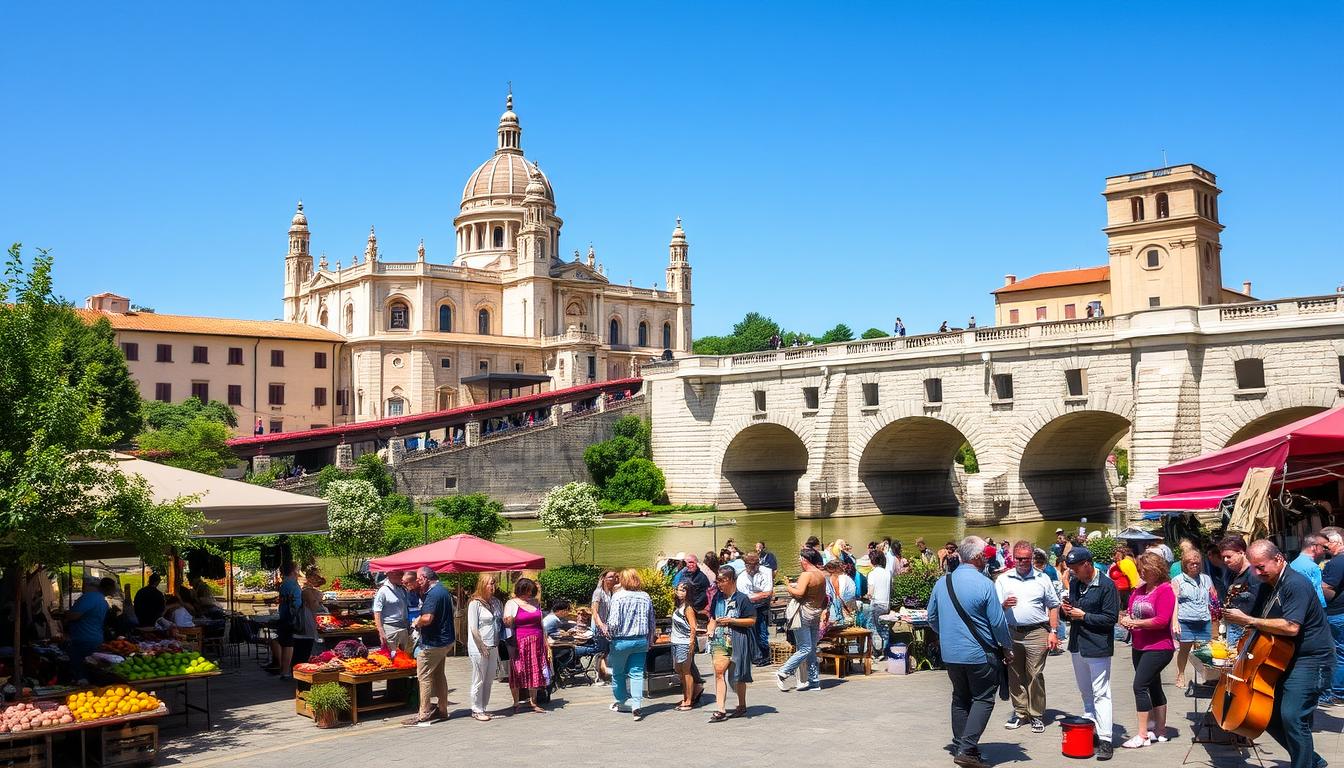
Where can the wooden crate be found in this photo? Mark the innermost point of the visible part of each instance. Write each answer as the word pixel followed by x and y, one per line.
pixel 780 653
pixel 31 755
pixel 129 745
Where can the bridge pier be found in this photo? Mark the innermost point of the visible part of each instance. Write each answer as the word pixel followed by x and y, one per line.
pixel 345 456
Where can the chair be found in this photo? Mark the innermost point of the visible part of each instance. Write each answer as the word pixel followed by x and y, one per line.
pixel 577 671
pixel 191 638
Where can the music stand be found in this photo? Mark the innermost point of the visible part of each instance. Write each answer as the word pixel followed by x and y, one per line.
pixel 1207 731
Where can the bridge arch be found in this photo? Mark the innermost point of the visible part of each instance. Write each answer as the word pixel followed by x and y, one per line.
pixel 1280 407
pixel 904 460
pixel 1062 468
pixel 760 463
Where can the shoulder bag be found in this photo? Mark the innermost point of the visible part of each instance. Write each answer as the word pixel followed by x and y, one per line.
pixel 994 653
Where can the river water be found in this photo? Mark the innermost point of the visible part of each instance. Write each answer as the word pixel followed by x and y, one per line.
pixel 637 542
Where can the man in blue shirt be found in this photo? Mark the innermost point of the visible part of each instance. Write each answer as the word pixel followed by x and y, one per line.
pixel 1313 547
pixel 974 672
pixel 85 624
pixel 436 639
pixel 291 603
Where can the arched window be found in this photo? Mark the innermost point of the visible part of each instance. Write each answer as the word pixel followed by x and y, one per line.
pixel 349 318
pixel 667 335
pixel 614 333
pixel 398 316
pixel 499 237
pixel 322 319
pixel 1163 211
pixel 445 318
pixel 643 334
pixel 483 322
pixel 1136 208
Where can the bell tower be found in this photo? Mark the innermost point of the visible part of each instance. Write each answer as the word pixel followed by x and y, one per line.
pixel 679 284
pixel 298 263
pixel 1162 235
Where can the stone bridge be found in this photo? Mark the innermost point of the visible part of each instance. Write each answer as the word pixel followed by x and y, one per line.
pixel 871 427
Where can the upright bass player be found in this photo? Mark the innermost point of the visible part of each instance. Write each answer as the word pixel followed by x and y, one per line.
pixel 1287 606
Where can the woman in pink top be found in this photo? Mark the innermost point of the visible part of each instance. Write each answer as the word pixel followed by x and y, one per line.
pixel 1151 607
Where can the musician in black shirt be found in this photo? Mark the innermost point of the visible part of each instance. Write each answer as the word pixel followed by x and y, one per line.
pixel 1287 606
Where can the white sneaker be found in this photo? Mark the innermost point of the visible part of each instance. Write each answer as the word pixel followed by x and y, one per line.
pixel 782 682
pixel 806 687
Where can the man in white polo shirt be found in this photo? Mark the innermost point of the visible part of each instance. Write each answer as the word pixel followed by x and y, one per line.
pixel 758 583
pixel 1031 606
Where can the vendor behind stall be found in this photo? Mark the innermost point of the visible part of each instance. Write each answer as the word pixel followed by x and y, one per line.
pixel 84 623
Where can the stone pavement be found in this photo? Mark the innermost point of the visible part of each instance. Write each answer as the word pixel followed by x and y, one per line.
pixel 892 720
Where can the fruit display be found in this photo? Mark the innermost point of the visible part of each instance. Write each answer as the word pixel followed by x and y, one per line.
pixel 27 717
pixel 400 661
pixel 327 622
pixel 147 667
pixel 333 595
pixel 120 647
pixel 349 649
pixel 360 666
pixel 313 667
pixel 112 701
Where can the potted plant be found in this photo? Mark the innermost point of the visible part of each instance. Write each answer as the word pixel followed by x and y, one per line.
pixel 327 701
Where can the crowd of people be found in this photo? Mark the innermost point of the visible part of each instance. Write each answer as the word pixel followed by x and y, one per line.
pixel 999 614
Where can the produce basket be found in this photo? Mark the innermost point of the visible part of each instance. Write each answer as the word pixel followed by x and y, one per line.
pixel 780 653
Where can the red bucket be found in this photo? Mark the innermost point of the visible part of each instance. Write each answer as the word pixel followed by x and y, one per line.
pixel 1079 733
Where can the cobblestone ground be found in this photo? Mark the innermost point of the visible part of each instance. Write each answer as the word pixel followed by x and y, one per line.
pixel 887 719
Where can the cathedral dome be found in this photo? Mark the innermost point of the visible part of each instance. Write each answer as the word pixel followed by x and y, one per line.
pixel 504 175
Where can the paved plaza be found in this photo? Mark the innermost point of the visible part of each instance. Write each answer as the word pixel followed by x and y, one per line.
pixel 888 719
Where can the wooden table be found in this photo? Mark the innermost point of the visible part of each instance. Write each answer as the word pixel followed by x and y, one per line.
pixel 310 679
pixel 81 726
pixel 840 653
pixel 383 702
pixel 184 682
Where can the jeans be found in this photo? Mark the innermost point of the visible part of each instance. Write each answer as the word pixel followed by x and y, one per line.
pixel 881 629
pixel 1094 683
pixel 762 634
pixel 973 689
pixel 1337 629
pixel 806 635
pixel 1234 633
pixel 626 659
pixel 1294 706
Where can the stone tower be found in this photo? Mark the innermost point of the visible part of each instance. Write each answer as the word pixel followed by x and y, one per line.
pixel 298 263
pixel 1162 235
pixel 679 284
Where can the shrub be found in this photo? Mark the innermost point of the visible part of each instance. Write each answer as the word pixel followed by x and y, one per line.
pixel 574 583
pixel 637 429
pixel 603 459
pixel 328 697
pixel 371 468
pixel 636 480
pixel 473 513
pixel 329 474
pixel 356 580
pixel 1102 548
pixel 660 590
pixel 355 516
pixel 916 584
pixel 257 581
pixel 569 513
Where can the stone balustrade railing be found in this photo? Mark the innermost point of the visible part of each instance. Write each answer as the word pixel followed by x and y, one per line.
pixel 572 337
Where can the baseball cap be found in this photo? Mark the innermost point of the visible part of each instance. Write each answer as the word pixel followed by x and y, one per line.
pixel 1059 530
pixel 1078 555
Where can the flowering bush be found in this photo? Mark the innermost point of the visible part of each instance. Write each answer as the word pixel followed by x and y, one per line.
pixel 570 512
pixel 355 518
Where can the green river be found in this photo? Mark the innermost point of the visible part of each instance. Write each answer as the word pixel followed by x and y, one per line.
pixel 637 542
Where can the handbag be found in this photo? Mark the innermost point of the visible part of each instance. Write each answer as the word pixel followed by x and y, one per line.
pixel 993 652
pixel 793 613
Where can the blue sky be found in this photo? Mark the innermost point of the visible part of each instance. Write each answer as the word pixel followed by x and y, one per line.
pixel 831 163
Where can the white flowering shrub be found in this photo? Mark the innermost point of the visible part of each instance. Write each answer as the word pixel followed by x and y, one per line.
pixel 569 513
pixel 355 517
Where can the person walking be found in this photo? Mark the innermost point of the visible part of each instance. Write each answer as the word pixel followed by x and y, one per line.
pixel 682 638
pixel 1195 600
pixel 391 615
pixel 1151 608
pixel 437 637
pixel 1286 606
pixel 631 622
pixel 967 614
pixel 879 603
pixel 600 604
pixel 1031 605
pixel 528 671
pixel 806 605
pixel 484 618
pixel 732 617
pixel 1092 608
pixel 1242 586
pixel 758 583
pixel 1332 585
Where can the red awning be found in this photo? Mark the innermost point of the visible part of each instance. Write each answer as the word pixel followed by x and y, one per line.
pixel 1312 450
pixel 462 553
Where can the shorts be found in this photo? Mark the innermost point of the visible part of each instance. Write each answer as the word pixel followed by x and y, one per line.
pixel 284 635
pixel 1195 631
pixel 681 654
pixel 719 649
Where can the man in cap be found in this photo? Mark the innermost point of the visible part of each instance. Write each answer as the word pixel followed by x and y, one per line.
pixel 1091 607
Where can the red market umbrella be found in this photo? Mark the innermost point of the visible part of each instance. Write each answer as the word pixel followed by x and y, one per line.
pixel 462 553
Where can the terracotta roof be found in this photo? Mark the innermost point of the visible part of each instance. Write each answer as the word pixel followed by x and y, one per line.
pixel 1057 279
pixel 215 326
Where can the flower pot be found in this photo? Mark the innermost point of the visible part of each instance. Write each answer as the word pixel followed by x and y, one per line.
pixel 327 718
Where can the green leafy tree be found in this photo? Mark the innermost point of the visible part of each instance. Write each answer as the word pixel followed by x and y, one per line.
pixel 57 478
pixel 840 332
pixel 659 589
pixel 713 345
pixel 1122 464
pixel 636 429
pixel 753 333
pixel 371 468
pixel 569 513
pixel 604 458
pixel 635 480
pixel 355 515
pixel 789 338
pixel 327 474
pixel 874 333
pixel 200 446
pixel 93 347
pixel 160 415
pixel 966 458
pixel 473 513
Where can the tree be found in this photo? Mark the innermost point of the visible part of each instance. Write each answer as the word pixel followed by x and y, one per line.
pixel 371 468
pixel 713 345
pixel 636 480
pixel 753 333
pixel 603 459
pixel 93 347
pixel 840 332
pixel 789 338
pixel 200 446
pixel 636 429
pixel 966 458
pixel 473 513
pixel 355 518
pixel 160 415
pixel 874 333
pixel 569 513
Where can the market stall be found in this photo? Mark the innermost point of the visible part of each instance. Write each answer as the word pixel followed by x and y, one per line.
pixel 462 553
pixel 117 715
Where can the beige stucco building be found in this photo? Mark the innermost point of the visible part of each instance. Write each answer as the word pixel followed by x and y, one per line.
pixel 284 374
pixel 1162 235
pixel 507 313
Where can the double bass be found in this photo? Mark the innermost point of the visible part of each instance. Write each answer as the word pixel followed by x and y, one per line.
pixel 1243 700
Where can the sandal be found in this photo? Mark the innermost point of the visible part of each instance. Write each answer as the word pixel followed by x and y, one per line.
pixel 483 717
pixel 537 708
pixel 637 714
pixel 684 707
pixel 718 717
pixel 739 712
pixel 1135 742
